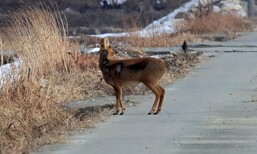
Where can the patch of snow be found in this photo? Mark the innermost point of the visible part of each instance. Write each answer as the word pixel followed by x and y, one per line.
pixel 163 25
pixel 156 56
pixel 69 10
pixel 83 49
pixel 234 5
pixel 166 23
pixel 9 72
pixel 111 35
pixel 216 8
pixel 114 1
pixel 92 50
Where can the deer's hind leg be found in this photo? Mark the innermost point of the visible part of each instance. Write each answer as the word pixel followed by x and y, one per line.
pixel 156 90
pixel 162 90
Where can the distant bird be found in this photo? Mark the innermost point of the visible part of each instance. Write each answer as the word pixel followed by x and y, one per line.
pixel 184 46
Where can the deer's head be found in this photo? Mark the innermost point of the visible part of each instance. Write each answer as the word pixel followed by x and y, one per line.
pixel 106 51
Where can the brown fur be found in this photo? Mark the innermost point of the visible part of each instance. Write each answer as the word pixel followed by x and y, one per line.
pixel 117 72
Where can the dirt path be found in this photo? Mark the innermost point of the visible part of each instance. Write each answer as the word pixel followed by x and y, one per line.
pixel 213 110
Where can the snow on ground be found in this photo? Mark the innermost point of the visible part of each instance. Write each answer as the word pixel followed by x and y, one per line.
pixel 163 25
pixel 92 50
pixel 166 23
pixel 115 1
pixel 9 72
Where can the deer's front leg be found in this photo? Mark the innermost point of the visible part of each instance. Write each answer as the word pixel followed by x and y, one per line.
pixel 118 93
pixel 117 105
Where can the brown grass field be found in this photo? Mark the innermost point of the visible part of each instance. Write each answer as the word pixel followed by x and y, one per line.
pixel 213 22
pixel 31 104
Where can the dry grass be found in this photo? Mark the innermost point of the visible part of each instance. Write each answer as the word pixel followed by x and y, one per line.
pixel 136 41
pixel 30 111
pixel 163 40
pixel 213 23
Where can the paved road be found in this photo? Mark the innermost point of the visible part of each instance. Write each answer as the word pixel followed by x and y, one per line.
pixel 212 111
pixel 246 42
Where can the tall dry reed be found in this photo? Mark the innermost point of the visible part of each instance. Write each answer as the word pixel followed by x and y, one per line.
pixel 32 94
pixel 39 38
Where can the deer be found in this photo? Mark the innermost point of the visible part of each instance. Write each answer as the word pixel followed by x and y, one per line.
pixel 118 72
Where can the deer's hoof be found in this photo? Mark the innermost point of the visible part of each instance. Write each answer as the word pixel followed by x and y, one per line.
pixel 115 113
pixel 121 113
pixel 149 113
pixel 157 112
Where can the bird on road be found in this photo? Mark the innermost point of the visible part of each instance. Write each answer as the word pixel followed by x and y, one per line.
pixel 184 46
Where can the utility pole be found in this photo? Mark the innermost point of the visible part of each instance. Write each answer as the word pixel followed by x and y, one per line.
pixel 251 8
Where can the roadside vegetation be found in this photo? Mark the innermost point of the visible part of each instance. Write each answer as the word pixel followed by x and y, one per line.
pixel 206 21
pixel 31 112
pixel 32 99
pixel 213 23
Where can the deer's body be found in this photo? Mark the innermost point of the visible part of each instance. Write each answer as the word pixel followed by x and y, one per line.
pixel 118 72
pixel 126 71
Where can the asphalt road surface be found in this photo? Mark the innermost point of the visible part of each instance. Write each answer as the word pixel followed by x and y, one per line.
pixel 211 111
